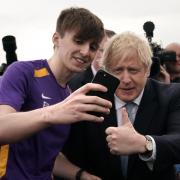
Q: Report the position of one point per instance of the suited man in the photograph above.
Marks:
(157, 114)
(67, 169)
(151, 143)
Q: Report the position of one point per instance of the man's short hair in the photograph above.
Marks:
(109, 33)
(87, 24)
(121, 44)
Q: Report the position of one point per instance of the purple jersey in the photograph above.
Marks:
(26, 86)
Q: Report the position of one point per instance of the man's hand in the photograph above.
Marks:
(125, 139)
(164, 75)
(76, 107)
(86, 176)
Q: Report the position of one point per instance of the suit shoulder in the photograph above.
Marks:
(80, 79)
(167, 90)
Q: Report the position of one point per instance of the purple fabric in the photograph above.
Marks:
(33, 158)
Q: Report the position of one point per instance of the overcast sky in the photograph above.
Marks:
(32, 22)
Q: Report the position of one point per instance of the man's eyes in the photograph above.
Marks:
(133, 71)
(94, 47)
(78, 41)
(130, 70)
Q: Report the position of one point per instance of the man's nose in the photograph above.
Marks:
(125, 77)
(85, 49)
(177, 57)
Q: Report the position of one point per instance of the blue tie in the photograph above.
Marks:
(131, 110)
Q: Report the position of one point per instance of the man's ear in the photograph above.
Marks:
(55, 39)
(147, 72)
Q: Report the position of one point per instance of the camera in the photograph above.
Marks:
(160, 55)
(9, 46)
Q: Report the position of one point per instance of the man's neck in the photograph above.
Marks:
(61, 74)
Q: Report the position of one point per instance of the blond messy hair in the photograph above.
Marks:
(120, 46)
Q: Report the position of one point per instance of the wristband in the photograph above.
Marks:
(78, 174)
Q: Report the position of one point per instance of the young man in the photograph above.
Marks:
(33, 98)
(146, 148)
(76, 82)
(86, 76)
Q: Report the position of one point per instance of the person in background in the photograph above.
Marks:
(169, 73)
(173, 68)
(86, 76)
(140, 138)
(163, 75)
(35, 106)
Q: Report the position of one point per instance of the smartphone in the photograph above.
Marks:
(109, 81)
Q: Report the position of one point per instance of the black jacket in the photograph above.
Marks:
(158, 115)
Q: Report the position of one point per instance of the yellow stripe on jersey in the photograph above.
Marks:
(3, 159)
(41, 72)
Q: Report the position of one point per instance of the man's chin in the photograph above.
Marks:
(78, 70)
(126, 98)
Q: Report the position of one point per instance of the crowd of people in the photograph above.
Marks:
(46, 130)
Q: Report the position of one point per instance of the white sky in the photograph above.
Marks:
(32, 22)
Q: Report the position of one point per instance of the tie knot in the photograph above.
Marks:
(130, 105)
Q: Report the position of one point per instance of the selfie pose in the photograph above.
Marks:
(140, 138)
(35, 106)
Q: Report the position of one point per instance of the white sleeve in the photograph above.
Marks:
(149, 159)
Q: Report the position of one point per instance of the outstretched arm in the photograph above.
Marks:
(18, 125)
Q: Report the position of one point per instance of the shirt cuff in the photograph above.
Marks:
(150, 158)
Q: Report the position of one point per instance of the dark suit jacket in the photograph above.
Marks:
(158, 115)
(81, 79)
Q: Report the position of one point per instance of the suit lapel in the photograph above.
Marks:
(145, 114)
(111, 119)
(146, 110)
(87, 76)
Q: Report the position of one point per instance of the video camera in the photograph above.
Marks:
(160, 55)
(9, 46)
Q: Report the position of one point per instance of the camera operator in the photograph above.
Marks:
(9, 46)
(163, 75)
(173, 67)
(161, 56)
(166, 64)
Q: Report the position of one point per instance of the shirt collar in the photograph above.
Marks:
(94, 71)
(119, 103)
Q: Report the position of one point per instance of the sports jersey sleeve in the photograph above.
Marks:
(14, 86)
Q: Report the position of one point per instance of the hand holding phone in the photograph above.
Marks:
(109, 81)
